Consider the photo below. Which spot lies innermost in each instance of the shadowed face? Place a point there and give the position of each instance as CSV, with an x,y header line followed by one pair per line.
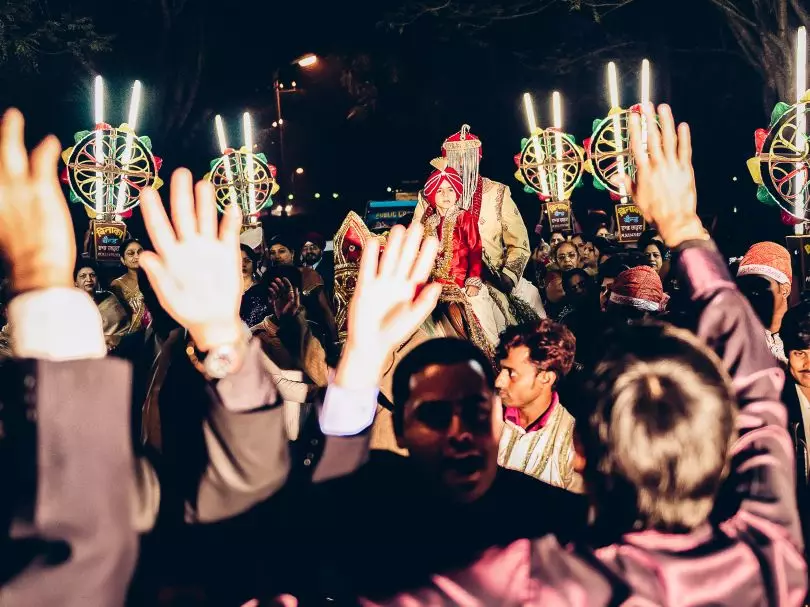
x,y
311,253
131,256
800,367
556,239
567,256
654,258
247,265
86,280
280,255
520,383
448,428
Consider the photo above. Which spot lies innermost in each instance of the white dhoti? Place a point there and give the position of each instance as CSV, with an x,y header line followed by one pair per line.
x,y
529,293
489,315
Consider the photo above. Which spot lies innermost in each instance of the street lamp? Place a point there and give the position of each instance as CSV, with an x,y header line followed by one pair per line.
x,y
307,60
304,61
299,171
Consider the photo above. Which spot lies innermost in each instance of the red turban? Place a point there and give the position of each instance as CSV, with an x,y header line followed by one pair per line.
x,y
640,288
438,177
461,142
767,259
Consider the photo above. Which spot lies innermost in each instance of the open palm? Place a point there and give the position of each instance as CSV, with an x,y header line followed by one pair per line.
x,y
195,269
383,312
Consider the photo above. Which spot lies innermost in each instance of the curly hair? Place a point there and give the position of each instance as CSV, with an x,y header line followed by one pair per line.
x,y
551,345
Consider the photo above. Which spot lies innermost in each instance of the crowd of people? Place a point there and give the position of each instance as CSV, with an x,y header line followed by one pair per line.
x,y
452,414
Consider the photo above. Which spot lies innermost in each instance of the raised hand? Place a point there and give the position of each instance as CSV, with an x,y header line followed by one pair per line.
x,y
195,271
383,312
286,298
664,189
36,232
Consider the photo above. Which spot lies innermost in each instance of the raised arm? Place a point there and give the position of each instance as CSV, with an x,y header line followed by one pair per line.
x,y
65,417
764,468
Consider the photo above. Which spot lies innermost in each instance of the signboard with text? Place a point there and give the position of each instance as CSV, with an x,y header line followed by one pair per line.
x,y
107,239
559,216
382,215
630,223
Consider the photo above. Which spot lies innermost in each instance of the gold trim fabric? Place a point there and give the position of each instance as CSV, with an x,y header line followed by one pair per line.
x,y
546,454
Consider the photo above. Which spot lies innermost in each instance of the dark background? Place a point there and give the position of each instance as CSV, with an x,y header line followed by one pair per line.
x,y
385,93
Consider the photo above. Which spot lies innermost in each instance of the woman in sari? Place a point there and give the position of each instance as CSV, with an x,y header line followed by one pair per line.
x,y
126,287
114,317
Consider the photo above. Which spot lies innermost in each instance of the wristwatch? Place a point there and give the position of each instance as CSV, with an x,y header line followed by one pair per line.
x,y
221,360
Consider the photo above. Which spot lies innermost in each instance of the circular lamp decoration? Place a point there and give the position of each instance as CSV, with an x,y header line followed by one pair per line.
x,y
550,163
781,165
241,176
608,149
108,167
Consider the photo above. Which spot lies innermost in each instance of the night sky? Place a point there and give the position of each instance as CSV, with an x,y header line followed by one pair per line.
x,y
428,80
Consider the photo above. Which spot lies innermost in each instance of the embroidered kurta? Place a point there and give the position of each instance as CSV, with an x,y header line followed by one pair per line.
x,y
546,454
503,234
460,257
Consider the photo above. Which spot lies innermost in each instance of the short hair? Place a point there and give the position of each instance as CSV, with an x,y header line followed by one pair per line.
x,y
82,263
439,351
614,266
757,290
658,442
795,329
551,345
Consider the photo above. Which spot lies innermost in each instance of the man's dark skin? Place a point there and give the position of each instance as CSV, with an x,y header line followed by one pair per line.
x,y
398,520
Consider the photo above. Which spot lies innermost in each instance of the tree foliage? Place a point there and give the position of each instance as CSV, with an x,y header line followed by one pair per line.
x,y
29,34
765,33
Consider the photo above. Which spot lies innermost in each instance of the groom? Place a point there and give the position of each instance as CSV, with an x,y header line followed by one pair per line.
x,y
503,233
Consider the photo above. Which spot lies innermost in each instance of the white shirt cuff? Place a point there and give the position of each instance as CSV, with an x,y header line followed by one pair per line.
x,y
347,412
56,324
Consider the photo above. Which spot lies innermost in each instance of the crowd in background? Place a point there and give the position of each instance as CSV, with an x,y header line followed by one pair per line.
x,y
197,433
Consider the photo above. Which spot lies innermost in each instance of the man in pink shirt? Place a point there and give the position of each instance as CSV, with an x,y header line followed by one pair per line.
x,y
689,462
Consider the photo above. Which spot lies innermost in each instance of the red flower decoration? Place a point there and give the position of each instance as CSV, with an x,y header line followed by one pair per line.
x,y
586,143
759,139
636,109
126,214
517,160
158,163
615,197
63,176
273,170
